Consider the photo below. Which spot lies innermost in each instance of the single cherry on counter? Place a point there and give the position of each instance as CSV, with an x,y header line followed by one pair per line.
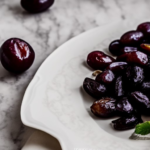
x,y
16,55
36,6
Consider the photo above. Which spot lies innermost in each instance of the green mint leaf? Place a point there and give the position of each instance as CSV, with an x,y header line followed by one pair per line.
x,y
143,128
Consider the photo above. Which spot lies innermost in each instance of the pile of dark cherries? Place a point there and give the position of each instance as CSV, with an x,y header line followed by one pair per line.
x,y
123,87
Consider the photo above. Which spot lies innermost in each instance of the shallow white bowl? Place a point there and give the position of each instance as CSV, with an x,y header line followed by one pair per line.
x,y
55,103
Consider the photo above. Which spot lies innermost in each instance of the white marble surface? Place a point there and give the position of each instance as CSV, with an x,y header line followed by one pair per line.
x,y
45,32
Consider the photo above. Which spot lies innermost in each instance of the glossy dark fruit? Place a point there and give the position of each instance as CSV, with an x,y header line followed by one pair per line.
x,y
138,58
105,107
128,49
145,28
119,87
115,47
147,70
117,67
94,89
126,122
124,106
132,38
106,77
99,60
145,87
139,101
147,67
147,41
16,55
145,48
134,75
36,6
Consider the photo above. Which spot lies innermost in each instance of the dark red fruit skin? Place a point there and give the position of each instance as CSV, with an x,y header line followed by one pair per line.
x,y
106,77
99,60
145,87
36,6
94,89
134,76
147,67
145,28
117,67
132,38
139,101
105,107
119,88
147,70
123,106
115,47
137,57
16,55
126,122
128,49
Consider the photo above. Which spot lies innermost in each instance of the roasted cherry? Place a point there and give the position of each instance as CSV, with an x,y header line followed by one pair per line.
x,y
94,89
36,6
145,28
119,87
132,38
105,107
123,106
99,60
117,67
126,122
134,76
115,47
106,77
16,55
137,57
139,101
147,67
145,87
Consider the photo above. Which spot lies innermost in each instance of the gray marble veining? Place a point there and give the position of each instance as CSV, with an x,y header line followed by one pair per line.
x,y
45,32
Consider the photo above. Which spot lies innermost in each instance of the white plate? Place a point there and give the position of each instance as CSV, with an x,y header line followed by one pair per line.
x,y
55,103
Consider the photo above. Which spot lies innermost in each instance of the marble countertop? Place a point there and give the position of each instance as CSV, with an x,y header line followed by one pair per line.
x,y
45,32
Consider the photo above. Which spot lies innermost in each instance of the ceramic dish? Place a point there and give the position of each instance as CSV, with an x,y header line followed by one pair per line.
x,y
55,102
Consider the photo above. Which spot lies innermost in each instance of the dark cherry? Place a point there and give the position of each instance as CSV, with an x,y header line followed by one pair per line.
x,y
146,41
137,57
126,122
147,67
145,87
119,87
132,38
139,101
94,88
134,76
124,106
145,28
117,67
115,47
99,60
147,70
16,55
105,107
36,6
128,49
106,77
